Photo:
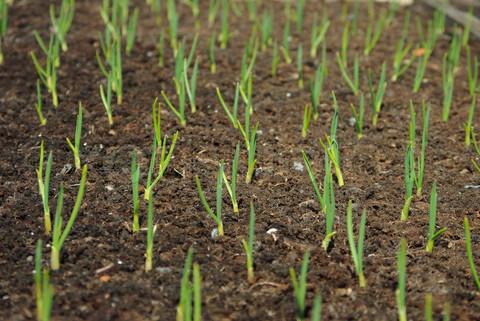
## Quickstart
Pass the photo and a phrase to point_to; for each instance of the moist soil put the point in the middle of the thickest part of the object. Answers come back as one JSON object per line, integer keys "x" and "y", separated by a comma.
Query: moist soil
{"x": 102, "y": 271}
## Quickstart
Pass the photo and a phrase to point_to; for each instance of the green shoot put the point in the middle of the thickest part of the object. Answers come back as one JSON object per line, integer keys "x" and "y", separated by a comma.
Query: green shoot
{"x": 135, "y": 173}
{"x": 197, "y": 293}
{"x": 39, "y": 105}
{"x": 43, "y": 187}
{"x": 318, "y": 34}
{"x": 401, "y": 51}
{"x": 266, "y": 29}
{"x": 446, "y": 312}
{"x": 468, "y": 245}
{"x": 211, "y": 54}
{"x": 300, "y": 66}
{"x": 300, "y": 286}
{"x": 421, "y": 67}
{"x": 194, "y": 6}
{"x": 48, "y": 73}
{"x": 252, "y": 9}
{"x": 331, "y": 149}
{"x": 78, "y": 134}
{"x": 248, "y": 245}
{"x": 212, "y": 11}
{"x": 232, "y": 115}
{"x": 472, "y": 72}
{"x": 357, "y": 249}
{"x": 157, "y": 121}
{"x": 161, "y": 49}
{"x": 299, "y": 13}
{"x": 224, "y": 33}
{"x": 374, "y": 33}
{"x": 420, "y": 174}
{"x": 450, "y": 62}
{"x": 43, "y": 289}
{"x": 307, "y": 117}
{"x": 467, "y": 28}
{"x": 249, "y": 133}
{"x": 345, "y": 42}
{"x": 433, "y": 234}
{"x": 435, "y": 29}
{"x": 402, "y": 280}
{"x": 191, "y": 84}
{"x": 188, "y": 289}
{"x": 107, "y": 99}
{"x": 329, "y": 202}
{"x": 313, "y": 180}
{"x": 316, "y": 86}
{"x": 377, "y": 96}
{"x": 409, "y": 180}
{"x": 131, "y": 31}
{"x": 59, "y": 236}
{"x": 3, "y": 25}
{"x": 352, "y": 82}
{"x": 285, "y": 48}
{"x": 469, "y": 124}
{"x": 251, "y": 149}
{"x": 180, "y": 112}
{"x": 428, "y": 307}
{"x": 165, "y": 158}
{"x": 150, "y": 234}
{"x": 246, "y": 74}
{"x": 217, "y": 216}
{"x": 232, "y": 187}
{"x": 111, "y": 44}
{"x": 62, "y": 24}
{"x": 358, "y": 115}
{"x": 275, "y": 59}
{"x": 172, "y": 25}
{"x": 317, "y": 308}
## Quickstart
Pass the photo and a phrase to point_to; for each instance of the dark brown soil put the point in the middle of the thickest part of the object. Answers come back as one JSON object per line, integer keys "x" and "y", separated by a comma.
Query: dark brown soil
{"x": 283, "y": 197}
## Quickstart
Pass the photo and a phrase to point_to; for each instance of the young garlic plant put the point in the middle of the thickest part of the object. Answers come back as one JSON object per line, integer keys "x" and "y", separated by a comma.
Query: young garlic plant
{"x": 318, "y": 33}
{"x": 433, "y": 233}
{"x": 48, "y": 73}
{"x": 39, "y": 105}
{"x": 3, "y": 26}
{"x": 44, "y": 187}
{"x": 190, "y": 303}
{"x": 165, "y": 157}
{"x": 232, "y": 185}
{"x": 358, "y": 115}
{"x": 59, "y": 236}
{"x": 151, "y": 228}
{"x": 43, "y": 288}
{"x": 300, "y": 286}
{"x": 400, "y": 66}
{"x": 402, "y": 281}
{"x": 357, "y": 249}
{"x": 231, "y": 112}
{"x": 248, "y": 245}
{"x": 61, "y": 24}
{"x": 217, "y": 216}
{"x": 307, "y": 117}
{"x": 135, "y": 177}
{"x": 316, "y": 85}
{"x": 378, "y": 94}
{"x": 450, "y": 62}
{"x": 78, "y": 134}
{"x": 468, "y": 246}
{"x": 352, "y": 81}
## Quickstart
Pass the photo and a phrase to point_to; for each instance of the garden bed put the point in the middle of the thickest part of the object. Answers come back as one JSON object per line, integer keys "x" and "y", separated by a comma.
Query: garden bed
{"x": 102, "y": 273}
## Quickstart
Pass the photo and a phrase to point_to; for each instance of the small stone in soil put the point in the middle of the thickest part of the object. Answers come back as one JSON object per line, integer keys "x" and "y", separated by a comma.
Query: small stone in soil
{"x": 298, "y": 166}
{"x": 214, "y": 233}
